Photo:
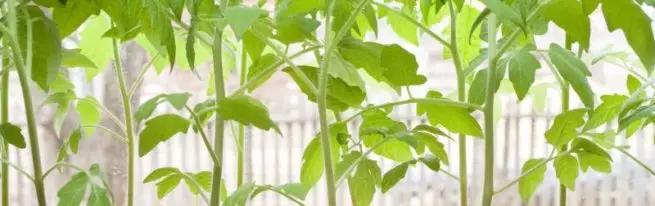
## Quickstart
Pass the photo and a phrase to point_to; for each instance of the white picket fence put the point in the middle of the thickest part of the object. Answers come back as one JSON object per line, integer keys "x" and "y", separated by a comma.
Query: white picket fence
{"x": 276, "y": 160}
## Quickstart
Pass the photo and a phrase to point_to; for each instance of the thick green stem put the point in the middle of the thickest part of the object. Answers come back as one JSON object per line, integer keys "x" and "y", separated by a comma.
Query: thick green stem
{"x": 461, "y": 96}
{"x": 219, "y": 129}
{"x": 4, "y": 97}
{"x": 129, "y": 127}
{"x": 241, "y": 138}
{"x": 22, "y": 69}
{"x": 322, "y": 112}
{"x": 488, "y": 188}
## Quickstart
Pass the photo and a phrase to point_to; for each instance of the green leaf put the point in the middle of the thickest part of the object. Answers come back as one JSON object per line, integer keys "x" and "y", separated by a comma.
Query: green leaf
{"x": 248, "y": 111}
{"x": 505, "y": 13}
{"x": 71, "y": 16}
{"x": 74, "y": 58}
{"x": 468, "y": 38}
{"x": 436, "y": 148}
{"x": 589, "y": 6}
{"x": 639, "y": 114}
{"x": 160, "y": 129}
{"x": 431, "y": 163}
{"x": 574, "y": 71}
{"x": 478, "y": 89}
{"x": 569, "y": 15}
{"x": 12, "y": 134}
{"x": 401, "y": 66}
{"x": 430, "y": 129}
{"x": 167, "y": 185}
{"x": 50, "y": 3}
{"x": 257, "y": 69}
{"x": 345, "y": 71}
{"x": 636, "y": 25}
{"x": 160, "y": 173}
{"x": 598, "y": 163}
{"x": 564, "y": 129}
{"x": 393, "y": 176}
{"x": 253, "y": 45}
{"x": 240, "y": 196}
{"x": 74, "y": 140}
{"x": 522, "y": 68}
{"x": 402, "y": 27}
{"x": 204, "y": 180}
{"x": 297, "y": 190}
{"x": 362, "y": 183}
{"x": 157, "y": 27}
{"x": 566, "y": 169}
{"x": 295, "y": 7}
{"x": 455, "y": 119}
{"x": 46, "y": 46}
{"x": 295, "y": 29}
{"x": 72, "y": 193}
{"x": 88, "y": 112}
{"x": 94, "y": 46}
{"x": 340, "y": 95}
{"x": 240, "y": 18}
{"x": 312, "y": 166}
{"x": 529, "y": 183}
{"x": 591, "y": 147}
{"x": 393, "y": 149}
{"x": 605, "y": 112}
{"x": 632, "y": 84}
{"x": 177, "y": 100}
{"x": 98, "y": 196}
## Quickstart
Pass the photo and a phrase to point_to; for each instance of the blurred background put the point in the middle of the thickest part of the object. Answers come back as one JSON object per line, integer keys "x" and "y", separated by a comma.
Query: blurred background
{"x": 274, "y": 159}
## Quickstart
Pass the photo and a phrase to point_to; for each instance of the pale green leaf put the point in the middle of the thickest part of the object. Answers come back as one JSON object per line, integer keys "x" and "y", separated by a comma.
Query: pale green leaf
{"x": 402, "y": 27}
{"x": 167, "y": 185}
{"x": 73, "y": 15}
{"x": 246, "y": 110}
{"x": 529, "y": 183}
{"x": 574, "y": 71}
{"x": 160, "y": 173}
{"x": 362, "y": 183}
{"x": 74, "y": 58}
{"x": 565, "y": 127}
{"x": 240, "y": 18}
{"x": 455, "y": 119}
{"x": 88, "y": 113}
{"x": 566, "y": 170}
{"x": 605, "y": 112}
{"x": 240, "y": 196}
{"x": 160, "y": 129}
{"x": 598, "y": 163}
{"x": 341, "y": 69}
{"x": 636, "y": 26}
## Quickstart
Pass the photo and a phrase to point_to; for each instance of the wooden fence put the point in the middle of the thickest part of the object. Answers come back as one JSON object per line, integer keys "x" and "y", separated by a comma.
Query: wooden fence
{"x": 276, "y": 159}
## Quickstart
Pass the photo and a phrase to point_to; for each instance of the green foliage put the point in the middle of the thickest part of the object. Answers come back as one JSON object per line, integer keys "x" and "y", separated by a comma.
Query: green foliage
{"x": 605, "y": 112}
{"x": 12, "y": 135}
{"x": 248, "y": 111}
{"x": 363, "y": 183}
{"x": 566, "y": 169}
{"x": 312, "y": 166}
{"x": 168, "y": 178}
{"x": 522, "y": 68}
{"x": 636, "y": 26}
{"x": 393, "y": 176}
{"x": 145, "y": 110}
{"x": 570, "y": 16}
{"x": 574, "y": 71}
{"x": 455, "y": 119}
{"x": 160, "y": 129}
{"x": 75, "y": 190}
{"x": 45, "y": 46}
{"x": 565, "y": 127}
{"x": 88, "y": 112}
{"x": 528, "y": 184}
{"x": 341, "y": 96}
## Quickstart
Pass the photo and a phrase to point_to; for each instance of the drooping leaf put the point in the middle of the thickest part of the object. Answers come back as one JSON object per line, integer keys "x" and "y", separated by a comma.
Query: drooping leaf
{"x": 70, "y": 17}
{"x": 240, "y": 196}
{"x": 522, "y": 68}
{"x": 565, "y": 127}
{"x": 74, "y": 58}
{"x": 574, "y": 71}
{"x": 12, "y": 134}
{"x": 362, "y": 183}
{"x": 257, "y": 68}
{"x": 248, "y": 111}
{"x": 72, "y": 193}
{"x": 393, "y": 176}
{"x": 570, "y": 16}
{"x": 455, "y": 119}
{"x": 46, "y": 46}
{"x": 566, "y": 169}
{"x": 605, "y": 112}
{"x": 340, "y": 95}
{"x": 160, "y": 129}
{"x": 636, "y": 26}
{"x": 529, "y": 183}
{"x": 598, "y": 163}
{"x": 168, "y": 184}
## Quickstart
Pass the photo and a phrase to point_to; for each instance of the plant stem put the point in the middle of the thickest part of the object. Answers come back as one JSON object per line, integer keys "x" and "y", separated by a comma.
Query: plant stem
{"x": 489, "y": 116}
{"x": 22, "y": 69}
{"x": 461, "y": 96}
{"x": 4, "y": 97}
{"x": 322, "y": 111}
{"x": 17, "y": 168}
{"x": 415, "y": 22}
{"x": 241, "y": 136}
{"x": 129, "y": 131}
{"x": 361, "y": 158}
{"x": 219, "y": 129}
{"x": 205, "y": 140}
{"x": 109, "y": 131}
{"x": 284, "y": 194}
{"x": 565, "y": 107}
{"x": 529, "y": 171}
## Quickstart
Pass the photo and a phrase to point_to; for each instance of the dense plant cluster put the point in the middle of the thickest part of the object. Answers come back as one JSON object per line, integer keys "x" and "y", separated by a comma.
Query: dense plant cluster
{"x": 486, "y": 47}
